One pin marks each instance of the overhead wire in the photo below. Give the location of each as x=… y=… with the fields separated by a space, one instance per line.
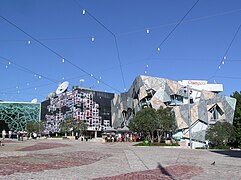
x=184 y=21
x=31 y=87
x=19 y=85
x=115 y=39
x=114 y=67
x=42 y=85
x=25 y=69
x=135 y=31
x=223 y=59
x=52 y=38
x=2 y=91
x=56 y=53
x=228 y=77
x=117 y=43
x=175 y=27
x=177 y=24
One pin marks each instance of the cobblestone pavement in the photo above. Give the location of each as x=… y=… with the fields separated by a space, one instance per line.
x=169 y=172
x=41 y=146
x=72 y=159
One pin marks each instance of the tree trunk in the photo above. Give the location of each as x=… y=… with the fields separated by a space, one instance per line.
x=149 y=136
x=158 y=136
x=152 y=137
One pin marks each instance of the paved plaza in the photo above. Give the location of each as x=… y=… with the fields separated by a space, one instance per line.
x=74 y=159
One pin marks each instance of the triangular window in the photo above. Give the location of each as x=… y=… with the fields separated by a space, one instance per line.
x=216 y=112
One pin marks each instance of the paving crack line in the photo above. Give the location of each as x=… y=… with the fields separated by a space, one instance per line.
x=134 y=161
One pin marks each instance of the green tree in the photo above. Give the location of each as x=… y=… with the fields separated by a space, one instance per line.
x=64 y=127
x=145 y=122
x=220 y=134
x=166 y=121
x=68 y=126
x=82 y=128
x=34 y=126
x=237 y=119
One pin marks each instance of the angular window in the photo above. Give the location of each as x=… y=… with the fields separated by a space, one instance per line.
x=176 y=100
x=216 y=112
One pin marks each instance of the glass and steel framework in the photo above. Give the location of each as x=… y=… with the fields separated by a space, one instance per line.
x=14 y=116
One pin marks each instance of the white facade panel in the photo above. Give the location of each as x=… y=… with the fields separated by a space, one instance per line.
x=202 y=85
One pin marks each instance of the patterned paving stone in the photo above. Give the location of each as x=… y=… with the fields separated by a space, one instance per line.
x=7 y=141
x=87 y=160
x=42 y=146
x=41 y=162
x=170 y=172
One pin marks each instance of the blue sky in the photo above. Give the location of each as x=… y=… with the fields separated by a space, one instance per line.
x=193 y=51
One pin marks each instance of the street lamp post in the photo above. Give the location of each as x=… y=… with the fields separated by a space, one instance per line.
x=189 y=116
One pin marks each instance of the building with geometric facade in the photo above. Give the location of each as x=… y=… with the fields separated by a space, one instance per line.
x=103 y=99
x=206 y=105
x=14 y=116
x=82 y=105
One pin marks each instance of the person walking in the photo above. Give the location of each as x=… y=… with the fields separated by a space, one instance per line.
x=122 y=137
x=18 y=136
x=9 y=134
x=3 y=134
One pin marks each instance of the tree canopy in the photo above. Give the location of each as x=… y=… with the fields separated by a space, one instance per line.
x=67 y=125
x=145 y=122
x=148 y=120
x=71 y=125
x=34 y=126
x=166 y=120
x=237 y=118
x=220 y=134
x=82 y=128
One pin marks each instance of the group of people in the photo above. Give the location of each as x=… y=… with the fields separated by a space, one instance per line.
x=122 y=137
x=20 y=135
x=4 y=134
x=126 y=137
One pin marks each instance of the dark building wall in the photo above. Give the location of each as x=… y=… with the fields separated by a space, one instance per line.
x=44 y=109
x=103 y=99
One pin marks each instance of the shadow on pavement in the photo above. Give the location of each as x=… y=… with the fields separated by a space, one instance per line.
x=231 y=153
x=165 y=172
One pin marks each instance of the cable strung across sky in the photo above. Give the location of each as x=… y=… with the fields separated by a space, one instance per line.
x=113 y=34
x=175 y=27
x=115 y=41
x=130 y=32
x=57 y=54
x=22 y=68
x=171 y=32
x=222 y=62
